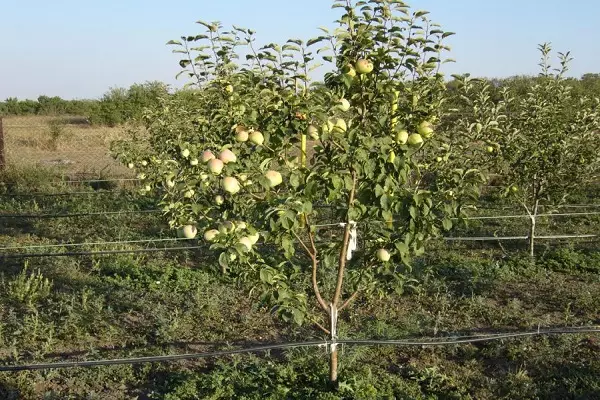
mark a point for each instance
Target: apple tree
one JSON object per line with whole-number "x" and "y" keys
{"x": 544, "y": 144}
{"x": 313, "y": 194}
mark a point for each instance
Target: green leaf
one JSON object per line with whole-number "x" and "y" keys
{"x": 294, "y": 180}
{"x": 402, "y": 248}
{"x": 447, "y": 223}
{"x": 315, "y": 40}
{"x": 267, "y": 275}
{"x": 311, "y": 189}
{"x": 298, "y": 316}
{"x": 288, "y": 246}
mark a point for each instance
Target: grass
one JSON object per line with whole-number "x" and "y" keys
{"x": 74, "y": 308}
{"x": 68, "y": 143}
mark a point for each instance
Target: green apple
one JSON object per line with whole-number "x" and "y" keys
{"x": 230, "y": 185}
{"x": 340, "y": 126}
{"x": 312, "y": 132}
{"x": 415, "y": 139}
{"x": 274, "y": 178}
{"x": 257, "y": 138}
{"x": 227, "y": 156}
{"x": 148, "y": 188}
{"x": 392, "y": 157}
{"x": 207, "y": 155}
{"x": 185, "y": 153}
{"x": 247, "y": 242}
{"x": 240, "y": 225}
{"x": 402, "y": 136}
{"x": 144, "y": 163}
{"x": 489, "y": 149}
{"x": 215, "y": 166}
{"x": 203, "y": 177}
{"x": 187, "y": 231}
{"x": 130, "y": 165}
{"x": 241, "y": 136}
{"x": 344, "y": 105}
{"x": 363, "y": 66}
{"x": 210, "y": 235}
{"x": 229, "y": 88}
{"x": 189, "y": 193}
{"x": 514, "y": 188}
{"x": 328, "y": 126}
{"x": 383, "y": 255}
{"x": 219, "y": 200}
{"x": 254, "y": 238}
{"x": 425, "y": 129}
{"x": 226, "y": 227}
{"x": 439, "y": 159}
{"x": 349, "y": 71}
{"x": 194, "y": 162}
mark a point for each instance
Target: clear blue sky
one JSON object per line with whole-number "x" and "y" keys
{"x": 80, "y": 48}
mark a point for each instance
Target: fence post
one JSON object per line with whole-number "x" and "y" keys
{"x": 2, "y": 158}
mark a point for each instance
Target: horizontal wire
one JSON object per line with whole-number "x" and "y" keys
{"x": 475, "y": 218}
{"x": 320, "y": 343}
{"x": 105, "y": 252}
{"x": 73, "y": 215}
{"x": 494, "y": 238}
{"x": 341, "y": 224}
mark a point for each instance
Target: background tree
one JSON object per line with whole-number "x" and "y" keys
{"x": 545, "y": 138}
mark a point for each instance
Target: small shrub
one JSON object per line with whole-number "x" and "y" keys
{"x": 56, "y": 128}
{"x": 27, "y": 288}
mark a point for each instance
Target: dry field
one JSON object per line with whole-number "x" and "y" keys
{"x": 68, "y": 143}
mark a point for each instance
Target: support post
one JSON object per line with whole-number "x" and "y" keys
{"x": 333, "y": 355}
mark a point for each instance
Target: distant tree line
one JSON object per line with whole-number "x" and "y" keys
{"x": 115, "y": 107}
{"x": 588, "y": 84}
{"x": 120, "y": 105}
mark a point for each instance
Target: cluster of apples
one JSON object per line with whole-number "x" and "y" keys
{"x": 243, "y": 134}
{"x": 228, "y": 228}
{"x": 363, "y": 66}
{"x": 424, "y": 131}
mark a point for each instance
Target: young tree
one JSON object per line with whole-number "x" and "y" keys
{"x": 310, "y": 232}
{"x": 543, "y": 143}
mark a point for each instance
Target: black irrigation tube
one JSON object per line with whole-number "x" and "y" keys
{"x": 73, "y": 215}
{"x": 77, "y": 181}
{"x": 316, "y": 343}
{"x": 98, "y": 253}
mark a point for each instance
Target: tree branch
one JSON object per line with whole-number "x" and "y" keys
{"x": 315, "y": 266}
{"x": 342, "y": 262}
{"x": 321, "y": 327}
{"x": 349, "y": 300}
{"x": 299, "y": 239}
